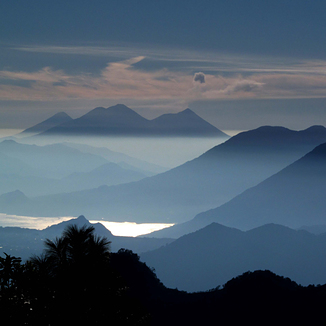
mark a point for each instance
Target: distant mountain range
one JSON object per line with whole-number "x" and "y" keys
{"x": 53, "y": 121}
{"x": 50, "y": 169}
{"x": 201, "y": 260}
{"x": 119, "y": 120}
{"x": 54, "y": 161}
{"x": 295, "y": 197}
{"x": 24, "y": 243}
{"x": 179, "y": 194}
{"x": 121, "y": 159}
{"x": 106, "y": 174}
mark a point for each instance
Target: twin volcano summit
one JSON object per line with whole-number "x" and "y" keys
{"x": 119, "y": 120}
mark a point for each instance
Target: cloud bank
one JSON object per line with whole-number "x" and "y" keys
{"x": 125, "y": 80}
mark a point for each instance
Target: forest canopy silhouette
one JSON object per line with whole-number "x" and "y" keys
{"x": 77, "y": 280}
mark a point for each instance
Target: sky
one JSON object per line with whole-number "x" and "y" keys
{"x": 238, "y": 64}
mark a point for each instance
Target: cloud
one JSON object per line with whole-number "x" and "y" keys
{"x": 243, "y": 85}
{"x": 44, "y": 75}
{"x": 199, "y": 77}
{"x": 124, "y": 80}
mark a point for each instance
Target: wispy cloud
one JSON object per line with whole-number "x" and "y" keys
{"x": 204, "y": 77}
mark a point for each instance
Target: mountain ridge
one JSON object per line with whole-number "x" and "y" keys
{"x": 53, "y": 121}
{"x": 292, "y": 197}
{"x": 119, "y": 120}
{"x": 216, "y": 253}
{"x": 181, "y": 193}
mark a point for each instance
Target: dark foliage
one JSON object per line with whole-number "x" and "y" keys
{"x": 78, "y": 281}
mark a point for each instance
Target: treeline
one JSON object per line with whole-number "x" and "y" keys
{"x": 78, "y": 281}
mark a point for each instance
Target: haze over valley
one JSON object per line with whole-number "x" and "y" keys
{"x": 255, "y": 178}
{"x": 162, "y": 162}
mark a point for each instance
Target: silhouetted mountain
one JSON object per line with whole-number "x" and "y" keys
{"x": 292, "y": 197}
{"x": 216, "y": 253}
{"x": 121, "y": 120}
{"x": 184, "y": 123}
{"x": 51, "y": 122}
{"x": 25, "y": 242}
{"x": 196, "y": 186}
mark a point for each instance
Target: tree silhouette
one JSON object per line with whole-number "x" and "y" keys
{"x": 76, "y": 283}
{"x": 9, "y": 266}
{"x": 76, "y": 246}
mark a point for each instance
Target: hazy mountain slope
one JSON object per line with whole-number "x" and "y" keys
{"x": 214, "y": 254}
{"x": 121, "y": 120}
{"x": 10, "y": 165}
{"x": 51, "y": 122}
{"x": 28, "y": 184}
{"x": 119, "y": 158}
{"x": 52, "y": 161}
{"x": 196, "y": 186}
{"x": 26, "y": 242}
{"x": 294, "y": 197}
{"x": 107, "y": 174}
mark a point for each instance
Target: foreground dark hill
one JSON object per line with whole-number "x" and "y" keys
{"x": 119, "y": 120}
{"x": 214, "y": 254}
{"x": 78, "y": 281}
{"x": 196, "y": 186}
{"x": 24, "y": 242}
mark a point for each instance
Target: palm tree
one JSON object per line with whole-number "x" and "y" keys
{"x": 79, "y": 248}
{"x": 78, "y": 242}
{"x": 55, "y": 253}
{"x": 9, "y": 266}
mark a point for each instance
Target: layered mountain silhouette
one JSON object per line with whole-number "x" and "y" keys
{"x": 119, "y": 120}
{"x": 56, "y": 160}
{"x": 201, "y": 260}
{"x": 10, "y": 165}
{"x": 56, "y": 120}
{"x": 24, "y": 242}
{"x": 106, "y": 174}
{"x": 293, "y": 197}
{"x": 196, "y": 186}
{"x": 50, "y": 169}
{"x": 123, "y": 160}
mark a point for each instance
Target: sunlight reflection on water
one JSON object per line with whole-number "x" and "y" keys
{"x": 31, "y": 222}
{"x": 131, "y": 229}
{"x": 127, "y": 229}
